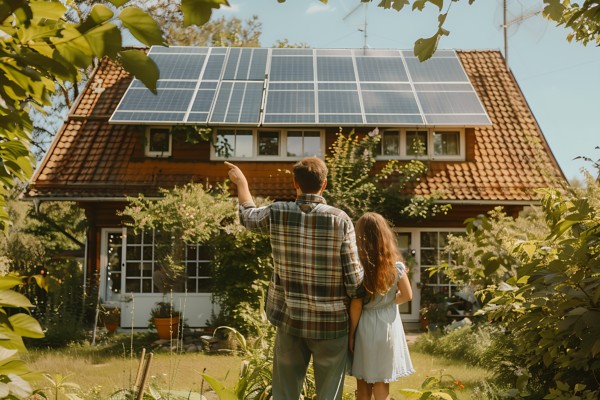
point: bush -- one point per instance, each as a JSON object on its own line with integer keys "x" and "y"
{"x": 61, "y": 311}
{"x": 551, "y": 305}
{"x": 242, "y": 267}
{"x": 472, "y": 344}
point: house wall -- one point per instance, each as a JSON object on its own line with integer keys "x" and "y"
{"x": 190, "y": 162}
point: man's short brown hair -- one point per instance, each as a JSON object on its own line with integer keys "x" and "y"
{"x": 310, "y": 173}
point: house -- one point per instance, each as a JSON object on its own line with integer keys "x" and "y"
{"x": 271, "y": 106}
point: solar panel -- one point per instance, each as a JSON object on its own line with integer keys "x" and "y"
{"x": 291, "y": 69}
{"x": 335, "y": 69}
{"x": 436, "y": 70}
{"x": 381, "y": 69}
{"x": 297, "y": 86}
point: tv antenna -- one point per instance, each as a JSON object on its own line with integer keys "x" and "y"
{"x": 364, "y": 27}
{"x": 506, "y": 23}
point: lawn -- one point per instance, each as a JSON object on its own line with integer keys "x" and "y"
{"x": 99, "y": 375}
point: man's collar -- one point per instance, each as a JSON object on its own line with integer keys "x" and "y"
{"x": 310, "y": 198}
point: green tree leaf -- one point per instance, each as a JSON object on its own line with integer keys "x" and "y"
{"x": 104, "y": 40}
{"x": 142, "y": 26}
{"x": 74, "y": 47}
{"x": 48, "y": 9}
{"x": 119, "y": 3}
{"x": 98, "y": 15}
{"x": 554, "y": 9}
{"x": 424, "y": 48}
{"x": 395, "y": 4}
{"x": 198, "y": 12}
{"x": 10, "y": 298}
{"x": 141, "y": 66}
{"x": 10, "y": 281}
{"x": 26, "y": 325}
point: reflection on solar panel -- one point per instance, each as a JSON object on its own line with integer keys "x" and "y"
{"x": 257, "y": 86}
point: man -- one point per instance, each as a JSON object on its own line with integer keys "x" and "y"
{"x": 316, "y": 273}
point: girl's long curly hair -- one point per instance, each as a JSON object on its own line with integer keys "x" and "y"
{"x": 378, "y": 252}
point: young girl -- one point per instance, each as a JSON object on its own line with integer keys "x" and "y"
{"x": 376, "y": 334}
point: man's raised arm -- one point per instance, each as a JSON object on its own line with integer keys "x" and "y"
{"x": 238, "y": 178}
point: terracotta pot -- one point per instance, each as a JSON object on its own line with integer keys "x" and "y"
{"x": 424, "y": 323}
{"x": 167, "y": 328}
{"x": 111, "y": 327}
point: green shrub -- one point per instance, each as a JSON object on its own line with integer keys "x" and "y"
{"x": 242, "y": 266}
{"x": 472, "y": 344}
{"x": 60, "y": 310}
{"x": 551, "y": 305}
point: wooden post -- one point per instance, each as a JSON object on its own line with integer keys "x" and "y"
{"x": 140, "y": 394}
{"x": 142, "y": 375}
{"x": 138, "y": 377}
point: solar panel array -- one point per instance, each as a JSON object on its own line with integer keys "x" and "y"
{"x": 274, "y": 87}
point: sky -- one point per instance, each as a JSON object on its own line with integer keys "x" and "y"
{"x": 560, "y": 80}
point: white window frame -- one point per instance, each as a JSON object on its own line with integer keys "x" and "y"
{"x": 282, "y": 145}
{"x": 429, "y": 155}
{"x": 158, "y": 154}
{"x": 149, "y": 241}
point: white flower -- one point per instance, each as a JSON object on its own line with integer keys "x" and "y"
{"x": 374, "y": 132}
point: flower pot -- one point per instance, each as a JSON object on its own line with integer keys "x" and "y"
{"x": 424, "y": 323}
{"x": 167, "y": 328}
{"x": 111, "y": 327}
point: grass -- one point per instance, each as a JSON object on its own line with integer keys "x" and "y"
{"x": 99, "y": 372}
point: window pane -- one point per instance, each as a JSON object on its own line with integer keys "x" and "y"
{"x": 446, "y": 143}
{"x": 132, "y": 285}
{"x": 391, "y": 143}
{"x": 147, "y": 253}
{"x": 429, "y": 257}
{"x": 146, "y": 286}
{"x": 114, "y": 282}
{"x": 133, "y": 238}
{"x": 133, "y": 269}
{"x": 147, "y": 269}
{"x": 243, "y": 144}
{"x": 225, "y": 143}
{"x": 416, "y": 143}
{"x": 428, "y": 239}
{"x": 268, "y": 143}
{"x": 204, "y": 286}
{"x": 312, "y": 144}
{"x": 191, "y": 285}
{"x": 159, "y": 140}
{"x": 191, "y": 251}
{"x": 134, "y": 252}
{"x": 294, "y": 144}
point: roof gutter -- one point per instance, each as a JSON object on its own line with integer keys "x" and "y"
{"x": 83, "y": 199}
{"x": 490, "y": 202}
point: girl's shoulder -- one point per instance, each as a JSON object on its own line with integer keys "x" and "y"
{"x": 401, "y": 268}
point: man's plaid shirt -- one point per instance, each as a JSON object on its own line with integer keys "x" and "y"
{"x": 316, "y": 267}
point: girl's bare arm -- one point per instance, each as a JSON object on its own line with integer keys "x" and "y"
{"x": 404, "y": 293}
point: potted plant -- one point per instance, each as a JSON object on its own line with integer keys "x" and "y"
{"x": 166, "y": 319}
{"x": 110, "y": 317}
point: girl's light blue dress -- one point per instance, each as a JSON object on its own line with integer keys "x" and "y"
{"x": 380, "y": 349}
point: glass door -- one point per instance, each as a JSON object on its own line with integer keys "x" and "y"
{"x": 111, "y": 265}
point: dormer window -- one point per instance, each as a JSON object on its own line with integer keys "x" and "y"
{"x": 446, "y": 143}
{"x": 158, "y": 142}
{"x": 416, "y": 143}
{"x": 268, "y": 144}
{"x": 304, "y": 143}
{"x": 435, "y": 144}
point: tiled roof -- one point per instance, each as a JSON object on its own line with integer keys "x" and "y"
{"x": 90, "y": 158}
